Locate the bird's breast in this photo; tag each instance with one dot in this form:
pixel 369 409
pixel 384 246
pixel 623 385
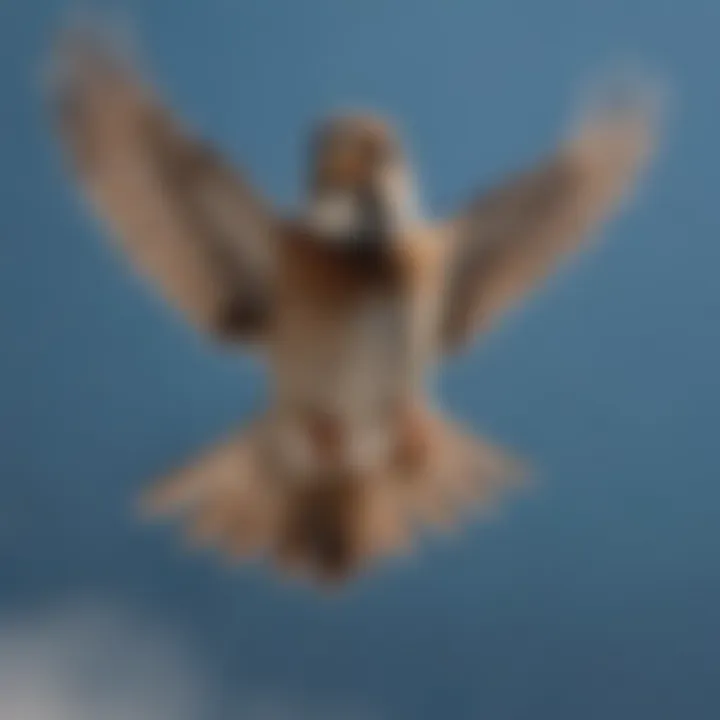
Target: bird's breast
pixel 343 352
pixel 343 357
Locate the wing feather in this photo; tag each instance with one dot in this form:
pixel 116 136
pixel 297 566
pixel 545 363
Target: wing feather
pixel 185 218
pixel 511 237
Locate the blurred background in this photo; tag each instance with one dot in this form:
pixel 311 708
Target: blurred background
pixel 595 595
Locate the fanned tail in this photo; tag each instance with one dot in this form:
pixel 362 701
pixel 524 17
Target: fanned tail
pixel 332 525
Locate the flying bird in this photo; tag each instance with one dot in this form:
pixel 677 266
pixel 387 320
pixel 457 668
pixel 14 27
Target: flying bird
pixel 353 301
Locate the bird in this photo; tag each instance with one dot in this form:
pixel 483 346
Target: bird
pixel 353 301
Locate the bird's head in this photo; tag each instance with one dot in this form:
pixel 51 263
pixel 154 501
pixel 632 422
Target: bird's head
pixel 361 186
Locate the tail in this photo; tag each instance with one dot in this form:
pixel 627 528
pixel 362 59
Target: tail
pixel 225 497
pixel 450 473
pixel 330 527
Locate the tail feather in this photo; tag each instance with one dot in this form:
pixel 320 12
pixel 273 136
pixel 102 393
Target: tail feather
pixel 462 473
pixel 329 527
pixel 338 525
pixel 229 465
pixel 321 524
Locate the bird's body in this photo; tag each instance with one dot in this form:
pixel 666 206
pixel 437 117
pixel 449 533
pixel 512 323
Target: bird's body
pixel 353 302
pixel 353 338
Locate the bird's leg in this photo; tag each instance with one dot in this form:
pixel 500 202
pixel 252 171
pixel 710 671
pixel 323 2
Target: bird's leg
pixel 414 436
pixel 327 436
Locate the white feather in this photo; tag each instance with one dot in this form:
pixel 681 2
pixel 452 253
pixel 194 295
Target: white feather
pixel 335 216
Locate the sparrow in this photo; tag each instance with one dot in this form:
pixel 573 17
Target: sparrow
pixel 353 301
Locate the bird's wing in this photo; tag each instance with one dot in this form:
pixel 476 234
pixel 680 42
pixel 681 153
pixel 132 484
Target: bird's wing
pixel 511 237
pixel 185 218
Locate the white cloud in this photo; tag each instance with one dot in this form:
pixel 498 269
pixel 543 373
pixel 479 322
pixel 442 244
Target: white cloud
pixel 90 661
pixel 94 661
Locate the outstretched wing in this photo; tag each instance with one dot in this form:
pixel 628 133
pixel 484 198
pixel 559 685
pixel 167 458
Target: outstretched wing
pixel 185 218
pixel 513 236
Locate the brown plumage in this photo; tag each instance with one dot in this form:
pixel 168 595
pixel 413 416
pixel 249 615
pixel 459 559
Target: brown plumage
pixel 353 303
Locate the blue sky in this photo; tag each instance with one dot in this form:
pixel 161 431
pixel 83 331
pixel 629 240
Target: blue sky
pixel 596 595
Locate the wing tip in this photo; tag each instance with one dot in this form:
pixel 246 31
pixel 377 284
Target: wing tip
pixel 620 121
pixel 88 47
